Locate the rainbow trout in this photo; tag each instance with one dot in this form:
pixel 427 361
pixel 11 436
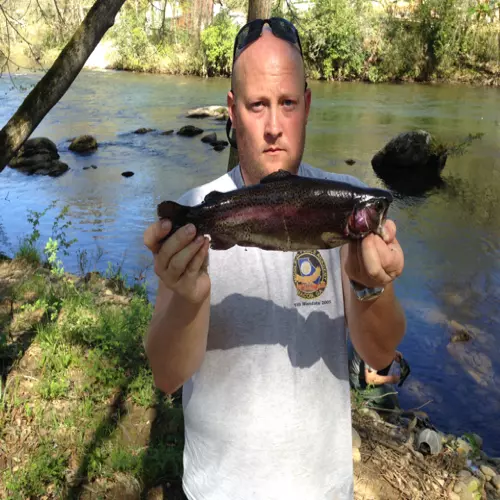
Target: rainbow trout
pixel 284 212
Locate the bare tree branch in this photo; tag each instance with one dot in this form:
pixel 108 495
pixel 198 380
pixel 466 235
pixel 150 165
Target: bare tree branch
pixel 54 84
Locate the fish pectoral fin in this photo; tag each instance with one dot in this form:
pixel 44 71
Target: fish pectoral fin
pixel 275 176
pixel 333 240
pixel 221 242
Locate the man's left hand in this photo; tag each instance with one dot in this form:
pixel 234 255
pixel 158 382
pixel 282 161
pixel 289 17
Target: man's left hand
pixel 375 261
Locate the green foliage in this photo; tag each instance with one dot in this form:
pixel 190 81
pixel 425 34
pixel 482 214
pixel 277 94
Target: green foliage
pixel 217 42
pixel 333 39
pixel 28 250
pixel 135 50
pixel 46 466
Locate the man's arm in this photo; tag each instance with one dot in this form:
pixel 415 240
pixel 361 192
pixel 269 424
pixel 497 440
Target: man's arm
pixel 177 336
pixel 376 327
pixel 177 339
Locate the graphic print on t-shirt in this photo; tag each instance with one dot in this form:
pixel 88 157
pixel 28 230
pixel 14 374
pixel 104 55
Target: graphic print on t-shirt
pixel 309 274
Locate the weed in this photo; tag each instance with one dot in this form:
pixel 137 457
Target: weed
pixel 46 467
pixel 142 390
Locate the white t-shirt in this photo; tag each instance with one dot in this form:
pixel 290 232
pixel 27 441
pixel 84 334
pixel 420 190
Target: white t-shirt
pixel 267 415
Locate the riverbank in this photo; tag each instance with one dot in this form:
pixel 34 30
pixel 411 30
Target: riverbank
pixel 79 415
pixel 106 57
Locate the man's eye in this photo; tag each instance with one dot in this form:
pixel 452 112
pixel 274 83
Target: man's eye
pixel 257 105
pixel 288 103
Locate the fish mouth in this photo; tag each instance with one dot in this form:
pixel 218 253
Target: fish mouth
pixel 368 217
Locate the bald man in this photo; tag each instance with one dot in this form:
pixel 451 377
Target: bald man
pixel 261 357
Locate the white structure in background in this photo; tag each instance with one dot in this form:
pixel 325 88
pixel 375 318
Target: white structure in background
pixel 154 15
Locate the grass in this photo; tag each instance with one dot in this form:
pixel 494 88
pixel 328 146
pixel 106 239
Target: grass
pixel 78 404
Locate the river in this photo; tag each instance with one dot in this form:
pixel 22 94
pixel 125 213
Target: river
pixel 451 237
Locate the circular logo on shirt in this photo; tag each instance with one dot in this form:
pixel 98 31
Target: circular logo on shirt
pixel 309 274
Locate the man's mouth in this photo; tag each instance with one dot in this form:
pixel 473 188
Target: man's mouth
pixel 272 150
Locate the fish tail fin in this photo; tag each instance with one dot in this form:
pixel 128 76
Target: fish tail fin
pixel 177 214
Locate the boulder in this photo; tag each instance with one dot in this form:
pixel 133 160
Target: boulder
pixel 39 156
pixel 128 173
pixel 209 138
pixel 410 151
pixel 83 144
pixel 410 163
pixel 220 145
pixel 189 131
pixel 38 145
pixel 167 132
pixel 143 130
pixel 217 112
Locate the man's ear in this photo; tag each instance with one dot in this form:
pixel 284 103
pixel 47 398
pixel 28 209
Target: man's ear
pixel 230 105
pixel 307 98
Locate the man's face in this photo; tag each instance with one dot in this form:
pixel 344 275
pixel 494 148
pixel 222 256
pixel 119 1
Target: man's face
pixel 269 108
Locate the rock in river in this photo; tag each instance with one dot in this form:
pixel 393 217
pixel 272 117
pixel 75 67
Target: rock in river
pixel 143 130
pixel 39 156
pixel 410 151
pixel 189 131
pixel 217 112
pixel 209 138
pixel 83 144
pixel 410 162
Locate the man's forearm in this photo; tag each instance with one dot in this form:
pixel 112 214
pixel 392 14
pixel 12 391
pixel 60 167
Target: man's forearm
pixel 176 341
pixel 376 327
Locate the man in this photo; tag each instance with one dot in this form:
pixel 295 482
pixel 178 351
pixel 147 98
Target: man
pixel 375 385
pixel 261 358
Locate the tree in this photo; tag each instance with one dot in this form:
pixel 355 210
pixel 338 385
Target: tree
pixel 51 88
pixel 257 9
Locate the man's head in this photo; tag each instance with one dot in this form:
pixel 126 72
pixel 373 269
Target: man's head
pixel 269 106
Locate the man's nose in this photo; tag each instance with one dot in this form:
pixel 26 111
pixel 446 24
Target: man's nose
pixel 273 123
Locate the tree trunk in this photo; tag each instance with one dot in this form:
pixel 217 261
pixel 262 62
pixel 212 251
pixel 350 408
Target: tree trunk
pixel 257 9
pixel 58 78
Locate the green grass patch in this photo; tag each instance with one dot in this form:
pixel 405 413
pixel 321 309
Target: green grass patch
pixel 45 468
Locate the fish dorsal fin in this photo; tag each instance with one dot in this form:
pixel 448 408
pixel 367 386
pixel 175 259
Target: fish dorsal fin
pixel 276 176
pixel 212 196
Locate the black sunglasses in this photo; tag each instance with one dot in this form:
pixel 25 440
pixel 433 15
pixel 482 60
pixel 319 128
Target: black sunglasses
pixel 251 31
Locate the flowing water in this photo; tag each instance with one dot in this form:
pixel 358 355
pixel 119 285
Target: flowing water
pixel 451 237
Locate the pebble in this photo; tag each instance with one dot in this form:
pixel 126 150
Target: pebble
pixel 464 473
pixel 356 440
pixel 496 482
pixel 370 413
pixel 453 496
pixel 356 455
pixel 488 472
pixel 463 447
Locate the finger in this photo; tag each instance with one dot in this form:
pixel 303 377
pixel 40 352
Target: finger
pixel 179 262
pixel 391 257
pixel 389 231
pixel 155 233
pixel 370 259
pixel 199 258
pixel 179 240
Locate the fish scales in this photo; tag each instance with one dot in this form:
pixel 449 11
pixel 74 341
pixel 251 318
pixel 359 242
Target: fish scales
pixel 285 212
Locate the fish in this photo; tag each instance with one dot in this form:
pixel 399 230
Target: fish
pixel 284 212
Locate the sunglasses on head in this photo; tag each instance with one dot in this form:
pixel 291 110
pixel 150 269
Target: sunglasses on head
pixel 251 31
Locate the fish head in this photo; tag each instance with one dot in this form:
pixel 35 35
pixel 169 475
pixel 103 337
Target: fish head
pixel 368 215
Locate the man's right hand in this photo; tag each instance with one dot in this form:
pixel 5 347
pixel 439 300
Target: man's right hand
pixel 181 261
